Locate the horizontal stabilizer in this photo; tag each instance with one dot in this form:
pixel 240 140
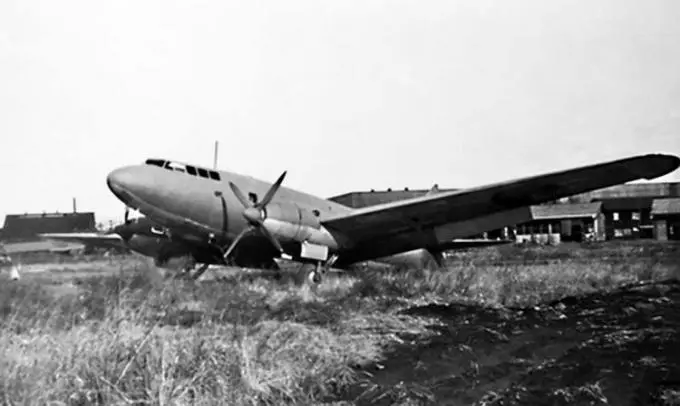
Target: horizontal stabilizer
pixel 98 239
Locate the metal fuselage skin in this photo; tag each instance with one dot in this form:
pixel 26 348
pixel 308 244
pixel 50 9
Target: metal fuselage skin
pixel 198 207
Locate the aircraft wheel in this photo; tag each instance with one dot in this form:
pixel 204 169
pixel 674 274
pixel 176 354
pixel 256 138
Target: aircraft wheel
pixel 314 277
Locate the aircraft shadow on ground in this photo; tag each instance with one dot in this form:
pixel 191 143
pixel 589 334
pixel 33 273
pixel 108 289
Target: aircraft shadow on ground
pixel 619 347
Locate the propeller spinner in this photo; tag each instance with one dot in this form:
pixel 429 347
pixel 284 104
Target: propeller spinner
pixel 255 214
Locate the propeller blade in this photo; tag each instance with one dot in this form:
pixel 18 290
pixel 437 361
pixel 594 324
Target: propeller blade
pixel 272 191
pixel 240 196
pixel 233 243
pixel 126 217
pixel 271 238
pixel 255 214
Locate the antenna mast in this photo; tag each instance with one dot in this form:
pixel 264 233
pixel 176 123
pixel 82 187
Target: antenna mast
pixel 215 158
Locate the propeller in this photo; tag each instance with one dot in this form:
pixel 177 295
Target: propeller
pixel 126 217
pixel 255 214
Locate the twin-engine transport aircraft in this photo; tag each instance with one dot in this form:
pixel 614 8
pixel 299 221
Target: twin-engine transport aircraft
pixel 149 238
pixel 239 215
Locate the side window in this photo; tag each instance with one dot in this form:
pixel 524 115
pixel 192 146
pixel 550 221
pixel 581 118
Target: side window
pixel 191 170
pixel 214 175
pixel 253 197
pixel 202 173
pixel 316 212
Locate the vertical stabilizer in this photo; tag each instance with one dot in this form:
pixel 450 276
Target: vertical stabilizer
pixel 433 191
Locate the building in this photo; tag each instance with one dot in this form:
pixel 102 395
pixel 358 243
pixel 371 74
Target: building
pixel 568 222
pixel 628 217
pixel 616 212
pixel 656 189
pixel 666 217
pixel 25 227
pixel 628 208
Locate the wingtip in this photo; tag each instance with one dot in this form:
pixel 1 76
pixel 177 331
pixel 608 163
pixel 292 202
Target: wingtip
pixel 660 164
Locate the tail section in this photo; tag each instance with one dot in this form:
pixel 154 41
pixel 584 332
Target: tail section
pixel 433 191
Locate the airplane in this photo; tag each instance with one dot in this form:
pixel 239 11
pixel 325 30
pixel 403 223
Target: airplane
pixel 149 238
pixel 241 216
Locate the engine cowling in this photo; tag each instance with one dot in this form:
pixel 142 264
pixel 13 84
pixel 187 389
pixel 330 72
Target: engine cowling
pixel 292 222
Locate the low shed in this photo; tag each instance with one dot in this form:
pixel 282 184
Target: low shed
pixel 572 221
pixel 666 217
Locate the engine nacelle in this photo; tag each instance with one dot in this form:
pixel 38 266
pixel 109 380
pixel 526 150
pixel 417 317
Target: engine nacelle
pixel 291 222
pixel 293 214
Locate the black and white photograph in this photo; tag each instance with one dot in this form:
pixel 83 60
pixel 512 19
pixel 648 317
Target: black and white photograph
pixel 340 202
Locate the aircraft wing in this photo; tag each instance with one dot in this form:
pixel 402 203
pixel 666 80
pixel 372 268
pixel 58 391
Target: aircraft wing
pixel 432 220
pixel 92 239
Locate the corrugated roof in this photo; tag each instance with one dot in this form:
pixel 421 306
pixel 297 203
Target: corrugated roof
pixel 662 207
pixel 565 211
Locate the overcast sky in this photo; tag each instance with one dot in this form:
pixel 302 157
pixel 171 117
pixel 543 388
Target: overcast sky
pixel 345 95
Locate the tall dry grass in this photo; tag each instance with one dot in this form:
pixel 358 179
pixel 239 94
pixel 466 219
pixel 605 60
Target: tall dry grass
pixel 124 338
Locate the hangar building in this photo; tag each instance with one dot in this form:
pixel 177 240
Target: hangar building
pixel 25 227
pixel 616 212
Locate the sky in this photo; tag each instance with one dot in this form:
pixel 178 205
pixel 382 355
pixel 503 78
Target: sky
pixel 346 95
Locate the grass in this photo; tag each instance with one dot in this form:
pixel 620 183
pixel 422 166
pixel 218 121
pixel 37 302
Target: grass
pixel 124 338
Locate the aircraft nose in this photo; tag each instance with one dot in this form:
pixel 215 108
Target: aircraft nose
pixel 124 181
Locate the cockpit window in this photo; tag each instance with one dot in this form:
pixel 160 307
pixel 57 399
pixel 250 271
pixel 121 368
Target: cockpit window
pixel 179 167
pixel 173 166
pixel 156 162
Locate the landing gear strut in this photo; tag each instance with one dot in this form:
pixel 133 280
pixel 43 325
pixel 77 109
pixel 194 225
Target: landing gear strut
pixel 200 271
pixel 315 276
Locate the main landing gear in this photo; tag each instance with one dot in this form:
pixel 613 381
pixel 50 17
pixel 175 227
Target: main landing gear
pixel 314 277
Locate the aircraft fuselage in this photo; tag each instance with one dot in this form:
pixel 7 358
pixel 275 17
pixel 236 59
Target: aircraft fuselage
pixel 199 207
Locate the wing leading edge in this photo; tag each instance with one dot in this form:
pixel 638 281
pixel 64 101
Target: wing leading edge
pixel 432 220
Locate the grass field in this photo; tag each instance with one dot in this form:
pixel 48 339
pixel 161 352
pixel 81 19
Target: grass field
pixel 592 324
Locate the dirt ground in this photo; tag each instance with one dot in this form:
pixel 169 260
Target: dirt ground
pixel 617 348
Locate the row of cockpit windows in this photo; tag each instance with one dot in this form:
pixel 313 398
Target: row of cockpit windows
pixel 191 170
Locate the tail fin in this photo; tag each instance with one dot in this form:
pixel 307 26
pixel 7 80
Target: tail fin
pixel 433 191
